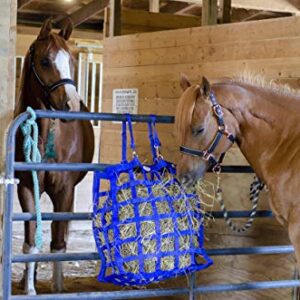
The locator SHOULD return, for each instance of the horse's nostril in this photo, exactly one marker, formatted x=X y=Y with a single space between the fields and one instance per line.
x=185 y=179
x=66 y=107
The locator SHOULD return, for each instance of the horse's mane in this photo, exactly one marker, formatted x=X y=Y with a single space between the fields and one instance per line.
x=258 y=80
x=184 y=111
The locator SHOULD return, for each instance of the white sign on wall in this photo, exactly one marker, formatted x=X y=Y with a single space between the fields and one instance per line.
x=125 y=101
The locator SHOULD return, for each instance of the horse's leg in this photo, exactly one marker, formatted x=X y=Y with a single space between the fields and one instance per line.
x=62 y=202
x=27 y=203
x=294 y=235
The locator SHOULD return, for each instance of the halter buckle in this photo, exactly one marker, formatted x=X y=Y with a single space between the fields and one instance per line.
x=207 y=155
x=217 y=110
x=222 y=128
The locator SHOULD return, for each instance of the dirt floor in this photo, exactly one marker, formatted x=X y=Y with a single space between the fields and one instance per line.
x=79 y=276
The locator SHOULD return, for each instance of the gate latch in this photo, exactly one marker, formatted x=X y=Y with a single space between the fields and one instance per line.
x=7 y=181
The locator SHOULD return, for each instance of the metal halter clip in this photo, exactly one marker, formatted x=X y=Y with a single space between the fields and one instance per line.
x=7 y=181
x=158 y=154
x=222 y=128
x=217 y=169
x=207 y=155
x=217 y=110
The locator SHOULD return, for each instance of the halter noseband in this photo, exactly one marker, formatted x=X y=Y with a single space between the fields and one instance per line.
x=48 y=89
x=208 y=154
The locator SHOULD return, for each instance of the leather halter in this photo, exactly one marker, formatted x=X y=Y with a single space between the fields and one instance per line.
x=208 y=154
x=47 y=88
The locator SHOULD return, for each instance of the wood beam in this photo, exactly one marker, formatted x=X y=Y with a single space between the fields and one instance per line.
x=8 y=16
x=76 y=34
x=23 y=3
x=187 y=9
x=172 y=6
x=209 y=12
x=154 y=6
x=225 y=11
x=289 y=6
x=115 y=18
x=262 y=15
x=86 y=12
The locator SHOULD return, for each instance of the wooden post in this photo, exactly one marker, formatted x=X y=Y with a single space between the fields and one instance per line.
x=154 y=6
x=209 y=12
x=115 y=18
x=8 y=16
x=225 y=11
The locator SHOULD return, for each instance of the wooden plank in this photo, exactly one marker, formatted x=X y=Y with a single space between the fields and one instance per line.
x=251 y=31
x=88 y=11
x=225 y=11
x=154 y=6
x=8 y=14
x=115 y=18
x=198 y=53
x=209 y=12
x=76 y=34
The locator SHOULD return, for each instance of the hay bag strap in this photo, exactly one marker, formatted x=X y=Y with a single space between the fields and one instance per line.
x=132 y=203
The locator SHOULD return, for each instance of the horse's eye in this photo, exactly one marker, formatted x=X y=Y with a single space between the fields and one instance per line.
x=45 y=62
x=198 y=131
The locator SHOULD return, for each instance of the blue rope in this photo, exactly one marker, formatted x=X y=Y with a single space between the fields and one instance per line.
x=32 y=154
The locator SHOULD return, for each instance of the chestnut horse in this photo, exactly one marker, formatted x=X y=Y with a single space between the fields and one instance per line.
x=47 y=83
x=264 y=121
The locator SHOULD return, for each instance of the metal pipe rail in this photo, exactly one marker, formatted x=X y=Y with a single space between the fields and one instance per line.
x=22 y=258
x=88 y=216
x=9 y=217
x=133 y=294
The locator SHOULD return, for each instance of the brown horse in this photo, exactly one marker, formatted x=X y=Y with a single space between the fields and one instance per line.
x=265 y=121
x=47 y=83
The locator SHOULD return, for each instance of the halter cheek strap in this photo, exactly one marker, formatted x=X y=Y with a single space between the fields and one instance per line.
x=208 y=154
x=48 y=89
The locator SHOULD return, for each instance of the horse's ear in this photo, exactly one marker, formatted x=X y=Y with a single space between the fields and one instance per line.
x=184 y=82
x=205 y=87
x=46 y=29
x=67 y=29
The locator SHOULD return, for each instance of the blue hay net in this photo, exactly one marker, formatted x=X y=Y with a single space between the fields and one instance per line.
x=145 y=225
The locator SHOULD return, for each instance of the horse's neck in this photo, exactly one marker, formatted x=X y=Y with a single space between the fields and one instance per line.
x=268 y=127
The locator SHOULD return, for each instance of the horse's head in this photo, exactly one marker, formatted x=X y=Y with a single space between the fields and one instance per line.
x=52 y=65
x=203 y=128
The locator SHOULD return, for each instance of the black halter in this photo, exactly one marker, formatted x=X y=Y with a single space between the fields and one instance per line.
x=208 y=154
x=48 y=89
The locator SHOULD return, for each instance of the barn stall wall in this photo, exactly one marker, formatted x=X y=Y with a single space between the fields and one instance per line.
x=152 y=63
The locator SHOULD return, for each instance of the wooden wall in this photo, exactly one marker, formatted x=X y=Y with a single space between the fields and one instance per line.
x=152 y=62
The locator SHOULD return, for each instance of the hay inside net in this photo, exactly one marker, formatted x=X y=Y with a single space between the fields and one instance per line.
x=203 y=204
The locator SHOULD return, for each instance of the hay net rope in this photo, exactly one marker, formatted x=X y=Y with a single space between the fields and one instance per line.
x=146 y=227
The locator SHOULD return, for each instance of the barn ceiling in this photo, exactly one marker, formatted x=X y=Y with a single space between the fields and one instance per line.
x=89 y=14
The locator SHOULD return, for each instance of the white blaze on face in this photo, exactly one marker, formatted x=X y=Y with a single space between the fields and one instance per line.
x=62 y=64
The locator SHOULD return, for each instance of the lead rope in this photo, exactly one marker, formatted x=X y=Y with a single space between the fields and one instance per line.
x=255 y=188
x=32 y=155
